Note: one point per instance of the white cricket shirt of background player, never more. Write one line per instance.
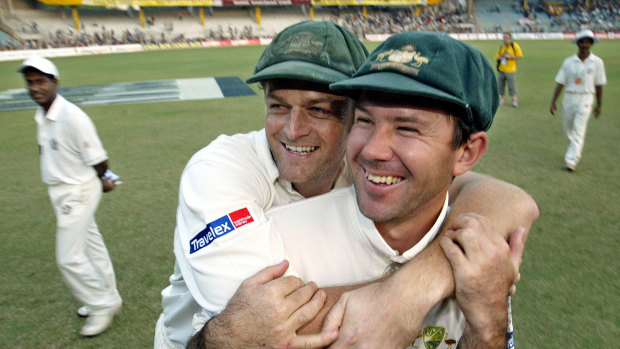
(69, 144)
(328, 240)
(591, 71)
(231, 173)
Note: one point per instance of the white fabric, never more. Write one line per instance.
(68, 143)
(239, 173)
(69, 147)
(344, 247)
(579, 79)
(581, 76)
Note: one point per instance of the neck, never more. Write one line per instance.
(46, 106)
(403, 235)
(583, 55)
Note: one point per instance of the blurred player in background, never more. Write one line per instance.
(74, 165)
(583, 75)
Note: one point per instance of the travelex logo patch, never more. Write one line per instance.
(219, 228)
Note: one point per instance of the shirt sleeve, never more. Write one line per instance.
(87, 140)
(518, 51)
(561, 77)
(222, 234)
(600, 78)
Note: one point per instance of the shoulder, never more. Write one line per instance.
(236, 147)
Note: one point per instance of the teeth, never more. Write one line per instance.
(383, 179)
(300, 150)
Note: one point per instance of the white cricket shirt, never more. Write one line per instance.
(68, 143)
(579, 76)
(328, 240)
(221, 238)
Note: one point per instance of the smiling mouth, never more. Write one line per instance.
(301, 150)
(387, 180)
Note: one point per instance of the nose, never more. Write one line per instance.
(378, 146)
(298, 125)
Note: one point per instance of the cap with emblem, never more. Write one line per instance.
(433, 66)
(586, 33)
(41, 64)
(319, 51)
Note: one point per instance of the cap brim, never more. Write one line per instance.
(298, 70)
(594, 40)
(393, 83)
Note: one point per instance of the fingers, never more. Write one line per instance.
(308, 310)
(268, 274)
(515, 241)
(452, 250)
(333, 319)
(303, 295)
(319, 340)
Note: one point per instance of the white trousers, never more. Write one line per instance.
(81, 254)
(576, 110)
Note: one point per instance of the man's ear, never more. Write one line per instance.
(471, 152)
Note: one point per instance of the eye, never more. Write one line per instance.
(362, 120)
(407, 129)
(276, 106)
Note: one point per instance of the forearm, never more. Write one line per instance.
(505, 205)
(556, 93)
(333, 294)
(494, 339)
(599, 95)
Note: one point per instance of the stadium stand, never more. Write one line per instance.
(29, 24)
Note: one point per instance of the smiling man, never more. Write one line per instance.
(299, 154)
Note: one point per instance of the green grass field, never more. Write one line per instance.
(568, 296)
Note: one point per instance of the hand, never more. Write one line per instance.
(108, 185)
(553, 108)
(266, 312)
(485, 266)
(597, 111)
(370, 318)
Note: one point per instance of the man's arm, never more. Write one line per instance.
(371, 317)
(370, 314)
(266, 311)
(599, 100)
(484, 266)
(556, 94)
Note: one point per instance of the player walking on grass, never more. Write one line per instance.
(583, 75)
(73, 165)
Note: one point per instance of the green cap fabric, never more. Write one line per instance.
(320, 51)
(431, 65)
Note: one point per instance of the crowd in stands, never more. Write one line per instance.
(573, 15)
(449, 16)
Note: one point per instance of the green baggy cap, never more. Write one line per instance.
(431, 65)
(320, 51)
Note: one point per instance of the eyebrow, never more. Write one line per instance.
(311, 101)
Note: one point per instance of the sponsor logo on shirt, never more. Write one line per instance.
(219, 228)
